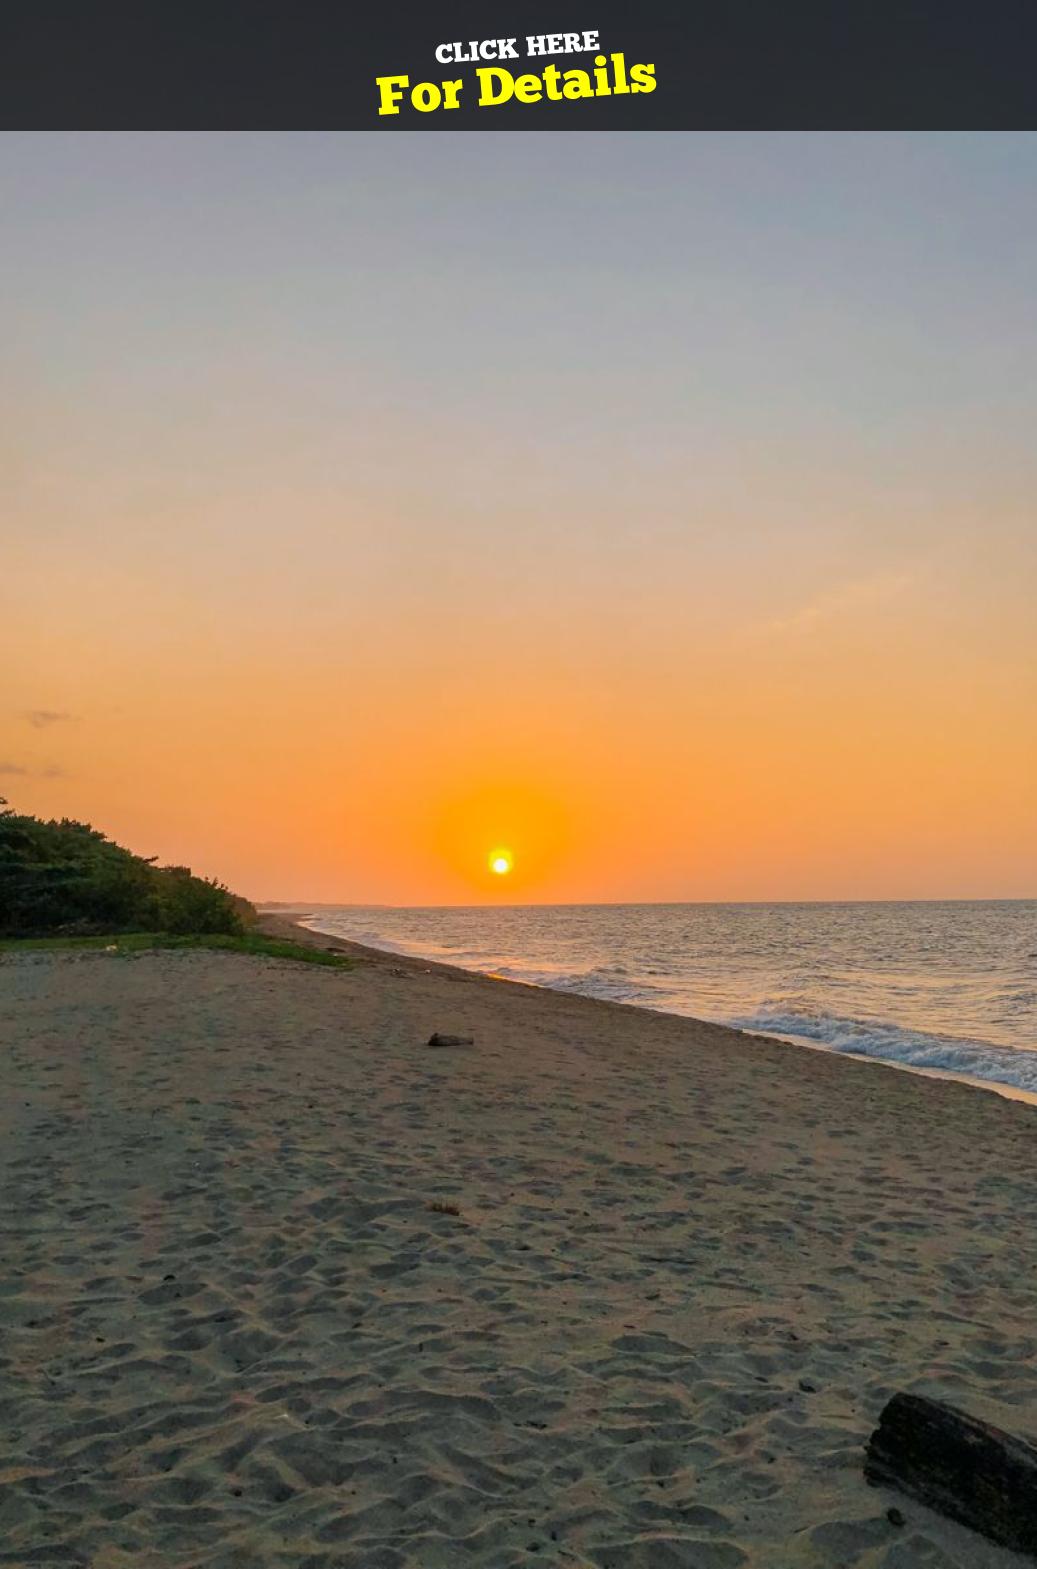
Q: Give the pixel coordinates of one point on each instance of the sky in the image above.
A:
(657, 508)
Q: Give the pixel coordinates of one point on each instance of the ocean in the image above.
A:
(950, 987)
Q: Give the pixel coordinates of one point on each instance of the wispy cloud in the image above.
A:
(40, 718)
(847, 599)
(48, 771)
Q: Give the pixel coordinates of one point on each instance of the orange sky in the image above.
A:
(364, 516)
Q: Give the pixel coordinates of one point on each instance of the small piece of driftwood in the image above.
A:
(958, 1465)
(451, 1040)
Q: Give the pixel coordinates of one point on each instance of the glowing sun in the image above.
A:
(500, 862)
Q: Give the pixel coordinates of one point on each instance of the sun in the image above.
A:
(500, 862)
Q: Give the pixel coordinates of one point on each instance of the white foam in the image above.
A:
(975, 1059)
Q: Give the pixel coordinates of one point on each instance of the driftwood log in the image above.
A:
(958, 1465)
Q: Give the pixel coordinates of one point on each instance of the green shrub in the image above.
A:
(67, 878)
(192, 904)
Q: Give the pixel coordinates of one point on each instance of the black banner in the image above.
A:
(556, 65)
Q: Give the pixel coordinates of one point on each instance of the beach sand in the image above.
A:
(687, 1269)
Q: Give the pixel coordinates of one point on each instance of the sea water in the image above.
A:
(949, 986)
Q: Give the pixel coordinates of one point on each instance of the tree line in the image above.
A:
(64, 878)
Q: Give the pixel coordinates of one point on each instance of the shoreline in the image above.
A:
(292, 924)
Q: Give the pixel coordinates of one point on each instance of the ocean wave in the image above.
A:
(977, 1059)
(609, 983)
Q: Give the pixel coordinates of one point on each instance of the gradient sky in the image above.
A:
(661, 507)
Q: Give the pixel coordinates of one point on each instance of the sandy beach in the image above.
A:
(243, 1325)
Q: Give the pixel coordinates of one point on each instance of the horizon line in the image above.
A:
(619, 904)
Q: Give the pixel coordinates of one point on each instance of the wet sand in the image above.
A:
(686, 1270)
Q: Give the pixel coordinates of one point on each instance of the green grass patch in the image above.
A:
(141, 942)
